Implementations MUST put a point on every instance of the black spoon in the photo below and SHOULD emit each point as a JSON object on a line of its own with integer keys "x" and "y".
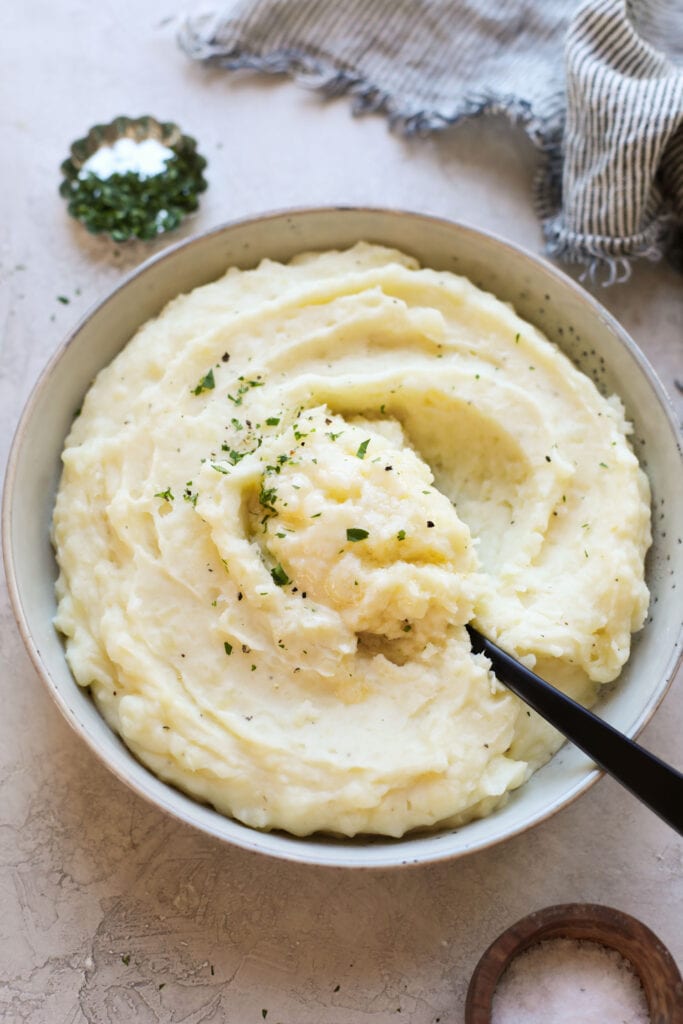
{"x": 658, "y": 785}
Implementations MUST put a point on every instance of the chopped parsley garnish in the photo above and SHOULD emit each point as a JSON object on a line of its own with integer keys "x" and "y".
{"x": 272, "y": 421}
{"x": 131, "y": 205}
{"x": 243, "y": 388}
{"x": 401, "y": 535}
{"x": 228, "y": 647}
{"x": 219, "y": 468}
{"x": 280, "y": 577}
{"x": 266, "y": 497}
{"x": 407, "y": 628}
{"x": 362, "y": 448}
{"x": 190, "y": 495}
{"x": 235, "y": 456}
{"x": 354, "y": 533}
{"x": 333, "y": 437}
{"x": 63, "y": 299}
{"x": 207, "y": 383}
{"x": 167, "y": 495}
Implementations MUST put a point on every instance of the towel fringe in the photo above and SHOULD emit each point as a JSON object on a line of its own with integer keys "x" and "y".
{"x": 604, "y": 258}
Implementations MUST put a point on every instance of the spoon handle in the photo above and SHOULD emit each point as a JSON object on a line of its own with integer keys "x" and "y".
{"x": 657, "y": 784}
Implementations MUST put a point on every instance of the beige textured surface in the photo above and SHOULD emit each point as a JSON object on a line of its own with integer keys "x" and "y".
{"x": 109, "y": 912}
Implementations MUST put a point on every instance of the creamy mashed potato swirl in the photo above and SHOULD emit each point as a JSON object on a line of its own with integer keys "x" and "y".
{"x": 282, "y": 503}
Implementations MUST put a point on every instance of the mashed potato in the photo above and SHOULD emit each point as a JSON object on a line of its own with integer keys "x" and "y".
{"x": 282, "y": 503}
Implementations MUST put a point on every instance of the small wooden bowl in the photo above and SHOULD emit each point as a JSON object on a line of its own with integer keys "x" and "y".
{"x": 649, "y": 958}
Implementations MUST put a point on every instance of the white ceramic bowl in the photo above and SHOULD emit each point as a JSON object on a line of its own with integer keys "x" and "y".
{"x": 541, "y": 294}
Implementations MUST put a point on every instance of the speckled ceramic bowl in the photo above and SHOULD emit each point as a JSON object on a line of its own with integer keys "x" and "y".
{"x": 541, "y": 294}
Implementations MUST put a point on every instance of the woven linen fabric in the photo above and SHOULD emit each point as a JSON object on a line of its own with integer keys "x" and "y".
{"x": 598, "y": 88}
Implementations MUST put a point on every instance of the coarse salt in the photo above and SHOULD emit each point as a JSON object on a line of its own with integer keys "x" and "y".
{"x": 146, "y": 159}
{"x": 567, "y": 981}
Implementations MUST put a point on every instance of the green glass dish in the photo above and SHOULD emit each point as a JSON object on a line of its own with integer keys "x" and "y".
{"x": 127, "y": 204}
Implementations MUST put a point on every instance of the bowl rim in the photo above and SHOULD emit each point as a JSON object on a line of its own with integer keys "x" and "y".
{"x": 338, "y": 853}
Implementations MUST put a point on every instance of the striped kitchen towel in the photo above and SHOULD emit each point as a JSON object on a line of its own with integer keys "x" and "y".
{"x": 598, "y": 88}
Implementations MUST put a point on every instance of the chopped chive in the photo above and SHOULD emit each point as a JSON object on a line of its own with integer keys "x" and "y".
{"x": 280, "y": 577}
{"x": 362, "y": 448}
